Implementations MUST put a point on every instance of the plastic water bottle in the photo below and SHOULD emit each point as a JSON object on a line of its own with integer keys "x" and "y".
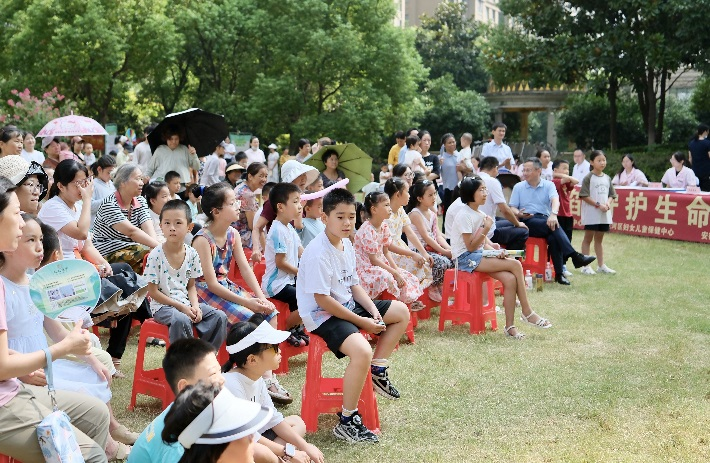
{"x": 548, "y": 273}
{"x": 528, "y": 280}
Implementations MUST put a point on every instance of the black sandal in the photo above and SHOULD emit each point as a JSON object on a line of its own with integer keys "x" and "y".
{"x": 155, "y": 342}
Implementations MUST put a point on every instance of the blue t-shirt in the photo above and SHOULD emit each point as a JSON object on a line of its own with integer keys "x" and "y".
{"x": 150, "y": 446}
{"x": 534, "y": 200}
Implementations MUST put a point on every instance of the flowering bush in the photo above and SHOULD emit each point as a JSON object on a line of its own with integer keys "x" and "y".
{"x": 31, "y": 113}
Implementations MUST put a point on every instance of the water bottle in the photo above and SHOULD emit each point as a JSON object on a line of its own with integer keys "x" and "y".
{"x": 528, "y": 280}
{"x": 548, "y": 273}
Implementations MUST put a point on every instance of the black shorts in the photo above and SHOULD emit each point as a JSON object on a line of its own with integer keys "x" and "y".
{"x": 335, "y": 331}
{"x": 602, "y": 227}
{"x": 288, "y": 295}
{"x": 269, "y": 434}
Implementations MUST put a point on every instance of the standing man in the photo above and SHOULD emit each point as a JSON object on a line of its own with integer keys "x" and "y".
{"x": 535, "y": 201}
{"x": 142, "y": 153}
{"x": 393, "y": 156}
{"x": 699, "y": 150}
{"x": 509, "y": 232}
{"x": 497, "y": 148}
{"x": 581, "y": 165}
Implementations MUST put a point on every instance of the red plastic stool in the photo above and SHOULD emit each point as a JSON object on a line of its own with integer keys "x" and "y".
{"x": 467, "y": 305}
{"x": 325, "y": 395}
{"x": 386, "y": 296}
{"x": 287, "y": 350}
{"x": 425, "y": 313}
{"x": 150, "y": 382}
{"x": 6, "y": 459}
{"x": 536, "y": 256}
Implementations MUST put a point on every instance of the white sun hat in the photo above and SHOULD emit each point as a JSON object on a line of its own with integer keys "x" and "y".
{"x": 263, "y": 334}
{"x": 226, "y": 419}
{"x": 293, "y": 169}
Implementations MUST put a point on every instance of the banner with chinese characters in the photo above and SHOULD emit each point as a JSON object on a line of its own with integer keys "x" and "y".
{"x": 655, "y": 213}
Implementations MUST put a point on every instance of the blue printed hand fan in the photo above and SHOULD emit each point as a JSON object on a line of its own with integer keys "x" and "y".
{"x": 66, "y": 290}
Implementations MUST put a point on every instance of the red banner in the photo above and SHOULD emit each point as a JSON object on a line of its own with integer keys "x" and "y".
{"x": 656, "y": 213}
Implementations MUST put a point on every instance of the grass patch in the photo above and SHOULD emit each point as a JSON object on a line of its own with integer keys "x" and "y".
{"x": 622, "y": 376}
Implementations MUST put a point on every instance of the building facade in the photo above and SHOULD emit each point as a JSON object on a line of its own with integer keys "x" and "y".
{"x": 409, "y": 11}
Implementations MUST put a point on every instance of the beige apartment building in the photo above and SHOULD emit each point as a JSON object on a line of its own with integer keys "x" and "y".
{"x": 409, "y": 11}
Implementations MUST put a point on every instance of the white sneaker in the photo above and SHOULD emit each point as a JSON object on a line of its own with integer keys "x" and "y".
{"x": 587, "y": 271}
{"x": 567, "y": 273}
{"x": 605, "y": 269}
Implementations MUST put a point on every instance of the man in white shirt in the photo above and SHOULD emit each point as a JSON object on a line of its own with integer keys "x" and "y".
{"x": 497, "y": 148}
{"x": 210, "y": 174}
{"x": 510, "y": 232}
{"x": 142, "y": 153}
{"x": 230, "y": 150}
{"x": 581, "y": 165}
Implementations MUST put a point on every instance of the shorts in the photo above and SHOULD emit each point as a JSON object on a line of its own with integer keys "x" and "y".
{"x": 602, "y": 227}
{"x": 469, "y": 260}
{"x": 269, "y": 434}
{"x": 288, "y": 295}
{"x": 335, "y": 331}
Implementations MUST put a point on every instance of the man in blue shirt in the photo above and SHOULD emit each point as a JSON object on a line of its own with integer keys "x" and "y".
{"x": 536, "y": 203}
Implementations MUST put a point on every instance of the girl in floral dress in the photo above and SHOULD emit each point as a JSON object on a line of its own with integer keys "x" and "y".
{"x": 416, "y": 263}
{"x": 375, "y": 268}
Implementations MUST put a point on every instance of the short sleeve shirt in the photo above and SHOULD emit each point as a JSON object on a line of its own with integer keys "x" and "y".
{"x": 281, "y": 239}
{"x": 106, "y": 239}
{"x": 248, "y": 203}
{"x": 150, "y": 448}
{"x": 466, "y": 221}
{"x": 325, "y": 270}
{"x": 57, "y": 215}
{"x": 599, "y": 189}
{"x": 253, "y": 391}
{"x": 501, "y": 152}
{"x": 535, "y": 200}
{"x": 8, "y": 387}
{"x": 172, "y": 282}
{"x": 432, "y": 163}
{"x": 563, "y": 191}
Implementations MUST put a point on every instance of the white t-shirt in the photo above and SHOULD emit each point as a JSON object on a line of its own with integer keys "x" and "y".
{"x": 281, "y": 239}
{"x": 171, "y": 282}
{"x": 466, "y": 221}
{"x": 451, "y": 212}
{"x": 579, "y": 171}
{"x": 546, "y": 172}
{"x": 253, "y": 391}
{"x": 465, "y": 157}
{"x": 210, "y": 174}
{"x": 598, "y": 188}
{"x": 57, "y": 214}
{"x": 414, "y": 160}
{"x": 142, "y": 155}
{"x": 255, "y": 156}
{"x": 495, "y": 197}
{"x": 325, "y": 270}
{"x": 35, "y": 156}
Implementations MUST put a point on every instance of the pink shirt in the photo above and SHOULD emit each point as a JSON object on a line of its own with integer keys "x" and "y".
{"x": 8, "y": 387}
{"x": 635, "y": 178}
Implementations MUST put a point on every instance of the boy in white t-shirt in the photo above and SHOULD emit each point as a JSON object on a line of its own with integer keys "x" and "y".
{"x": 283, "y": 249}
{"x": 334, "y": 306}
{"x": 171, "y": 270}
{"x": 253, "y": 348}
{"x": 413, "y": 158}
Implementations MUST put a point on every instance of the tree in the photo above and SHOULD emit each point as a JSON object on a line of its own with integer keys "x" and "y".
{"x": 641, "y": 43}
{"x": 447, "y": 43}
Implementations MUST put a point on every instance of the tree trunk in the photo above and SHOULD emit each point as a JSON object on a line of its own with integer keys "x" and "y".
{"x": 650, "y": 108}
{"x": 613, "y": 111}
{"x": 661, "y": 108}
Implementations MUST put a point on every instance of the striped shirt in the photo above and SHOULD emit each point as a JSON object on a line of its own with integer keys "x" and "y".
{"x": 106, "y": 239}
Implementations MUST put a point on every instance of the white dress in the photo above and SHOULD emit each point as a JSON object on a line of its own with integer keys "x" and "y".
{"x": 25, "y": 334}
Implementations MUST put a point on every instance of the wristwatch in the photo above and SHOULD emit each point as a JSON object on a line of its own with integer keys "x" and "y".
{"x": 597, "y": 204}
{"x": 289, "y": 451}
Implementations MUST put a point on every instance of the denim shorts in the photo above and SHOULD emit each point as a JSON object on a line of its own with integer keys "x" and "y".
{"x": 469, "y": 260}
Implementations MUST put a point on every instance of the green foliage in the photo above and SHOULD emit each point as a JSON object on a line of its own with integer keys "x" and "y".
{"x": 680, "y": 122}
{"x": 454, "y": 110}
{"x": 699, "y": 100}
{"x": 447, "y": 43}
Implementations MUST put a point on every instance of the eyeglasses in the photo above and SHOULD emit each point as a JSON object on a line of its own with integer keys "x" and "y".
{"x": 35, "y": 186}
{"x": 83, "y": 183}
{"x": 235, "y": 205}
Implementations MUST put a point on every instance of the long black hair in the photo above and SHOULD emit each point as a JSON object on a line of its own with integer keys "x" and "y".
{"x": 417, "y": 190}
{"x": 64, "y": 173}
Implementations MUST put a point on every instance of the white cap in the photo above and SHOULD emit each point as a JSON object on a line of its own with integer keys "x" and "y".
{"x": 273, "y": 146}
{"x": 226, "y": 419}
{"x": 293, "y": 169}
{"x": 263, "y": 334}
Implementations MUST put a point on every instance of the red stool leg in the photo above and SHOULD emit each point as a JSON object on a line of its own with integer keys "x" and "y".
{"x": 150, "y": 382}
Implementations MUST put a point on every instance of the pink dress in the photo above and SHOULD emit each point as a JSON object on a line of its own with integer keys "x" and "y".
{"x": 376, "y": 280}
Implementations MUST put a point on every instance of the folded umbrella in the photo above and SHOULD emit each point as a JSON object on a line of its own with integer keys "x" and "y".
{"x": 352, "y": 161}
{"x": 198, "y": 128}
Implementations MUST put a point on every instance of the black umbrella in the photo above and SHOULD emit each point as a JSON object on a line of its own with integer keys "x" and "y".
{"x": 198, "y": 128}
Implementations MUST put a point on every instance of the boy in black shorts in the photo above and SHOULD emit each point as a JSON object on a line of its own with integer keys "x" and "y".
{"x": 334, "y": 306}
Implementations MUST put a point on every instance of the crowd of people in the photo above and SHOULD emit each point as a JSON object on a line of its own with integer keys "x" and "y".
{"x": 182, "y": 222}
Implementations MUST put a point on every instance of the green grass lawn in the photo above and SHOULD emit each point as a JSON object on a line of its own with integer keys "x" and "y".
{"x": 623, "y": 376}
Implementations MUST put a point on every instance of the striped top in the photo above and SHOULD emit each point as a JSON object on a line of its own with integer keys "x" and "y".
{"x": 105, "y": 238}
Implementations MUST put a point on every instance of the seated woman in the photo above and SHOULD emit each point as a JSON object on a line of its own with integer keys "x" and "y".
{"x": 468, "y": 240}
{"x": 629, "y": 175}
{"x": 30, "y": 179}
{"x": 23, "y": 406}
{"x": 331, "y": 174}
{"x": 123, "y": 229}
{"x": 213, "y": 425}
{"x": 25, "y": 332}
{"x": 679, "y": 175}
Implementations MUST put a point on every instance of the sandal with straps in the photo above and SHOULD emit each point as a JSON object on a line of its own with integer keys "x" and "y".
{"x": 543, "y": 323}
{"x": 518, "y": 336}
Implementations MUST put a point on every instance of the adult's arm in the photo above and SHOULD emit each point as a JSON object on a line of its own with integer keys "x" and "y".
{"x": 137, "y": 235}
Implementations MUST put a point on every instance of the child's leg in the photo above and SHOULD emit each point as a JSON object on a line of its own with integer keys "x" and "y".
{"x": 179, "y": 325}
{"x": 263, "y": 454}
{"x": 296, "y": 424}
{"x": 598, "y": 249}
{"x": 213, "y": 326}
{"x": 288, "y": 295}
{"x": 396, "y": 318}
{"x": 360, "y": 353}
{"x": 586, "y": 241}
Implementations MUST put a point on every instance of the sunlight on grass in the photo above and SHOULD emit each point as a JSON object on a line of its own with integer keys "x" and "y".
{"x": 622, "y": 376}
